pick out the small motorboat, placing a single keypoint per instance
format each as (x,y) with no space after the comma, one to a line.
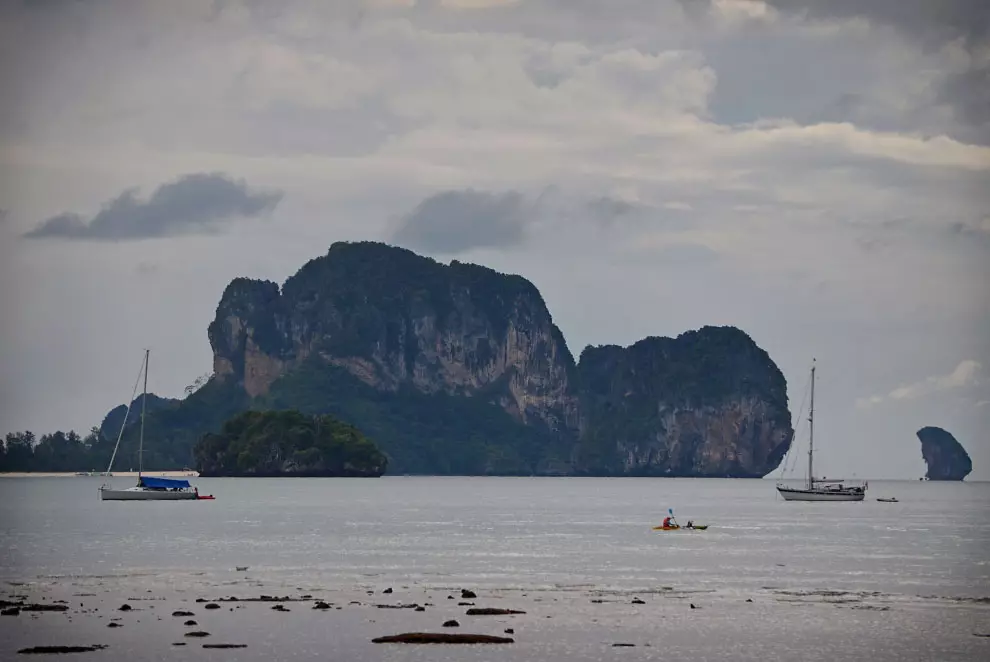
(888,500)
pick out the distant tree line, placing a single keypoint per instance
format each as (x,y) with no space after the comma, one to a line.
(58,451)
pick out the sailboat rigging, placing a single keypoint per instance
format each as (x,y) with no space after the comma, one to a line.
(148,488)
(819,489)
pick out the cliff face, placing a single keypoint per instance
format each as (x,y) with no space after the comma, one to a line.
(945,457)
(393,319)
(708,403)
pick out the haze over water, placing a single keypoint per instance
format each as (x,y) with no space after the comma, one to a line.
(904,581)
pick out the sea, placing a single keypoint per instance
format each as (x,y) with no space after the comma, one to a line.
(769,580)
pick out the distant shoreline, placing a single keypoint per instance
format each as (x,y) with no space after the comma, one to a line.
(116,474)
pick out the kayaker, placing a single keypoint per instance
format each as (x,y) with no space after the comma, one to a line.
(690,524)
(668,522)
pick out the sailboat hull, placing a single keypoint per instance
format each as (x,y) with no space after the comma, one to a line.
(137,494)
(821,495)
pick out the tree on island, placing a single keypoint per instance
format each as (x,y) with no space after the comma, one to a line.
(58,451)
(287,443)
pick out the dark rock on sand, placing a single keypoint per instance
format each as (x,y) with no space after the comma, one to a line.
(224,645)
(190,623)
(623,645)
(637,601)
(509,631)
(114,625)
(182,614)
(125,607)
(321,605)
(179,643)
(197,633)
(441,638)
(49,608)
(50,650)
(13,611)
(279,608)
(492,611)
(692,606)
(420,609)
(212,605)
(451,624)
(465,604)
(467,595)
(388,590)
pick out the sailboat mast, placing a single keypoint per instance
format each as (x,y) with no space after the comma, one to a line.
(144,400)
(811,433)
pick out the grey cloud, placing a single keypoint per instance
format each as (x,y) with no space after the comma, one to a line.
(934,18)
(932,23)
(974,232)
(687,254)
(969,94)
(193,204)
(457,221)
(606,209)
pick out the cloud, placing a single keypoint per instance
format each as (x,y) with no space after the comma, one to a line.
(606,208)
(976,229)
(192,204)
(955,25)
(476,4)
(945,18)
(457,221)
(966,374)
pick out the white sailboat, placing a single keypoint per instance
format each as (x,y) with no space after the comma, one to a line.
(148,488)
(819,489)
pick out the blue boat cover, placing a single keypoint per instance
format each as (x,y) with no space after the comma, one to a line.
(163,483)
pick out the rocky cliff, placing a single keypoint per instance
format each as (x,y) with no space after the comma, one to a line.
(707,403)
(458,369)
(945,457)
(393,319)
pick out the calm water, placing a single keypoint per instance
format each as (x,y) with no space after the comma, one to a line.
(902,581)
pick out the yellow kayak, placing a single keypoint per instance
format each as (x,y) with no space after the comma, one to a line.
(701,527)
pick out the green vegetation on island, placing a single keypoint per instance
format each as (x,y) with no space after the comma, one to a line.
(287,443)
(58,451)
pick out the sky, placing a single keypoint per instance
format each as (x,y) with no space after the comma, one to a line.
(816,173)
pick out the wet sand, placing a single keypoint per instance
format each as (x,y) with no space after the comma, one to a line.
(145,618)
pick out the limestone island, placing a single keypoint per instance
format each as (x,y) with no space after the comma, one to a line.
(457,369)
(945,457)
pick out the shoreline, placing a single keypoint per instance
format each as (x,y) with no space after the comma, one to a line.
(115,474)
